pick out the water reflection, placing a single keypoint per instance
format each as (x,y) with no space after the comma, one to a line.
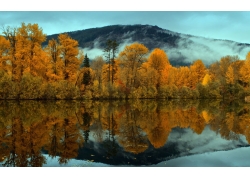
(28,129)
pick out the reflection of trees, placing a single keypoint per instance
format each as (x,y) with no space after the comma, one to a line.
(109,124)
(86,124)
(157,127)
(85,119)
(110,142)
(62,127)
(231,121)
(22,134)
(97,125)
(26,130)
(22,144)
(69,141)
(52,144)
(65,136)
(131,135)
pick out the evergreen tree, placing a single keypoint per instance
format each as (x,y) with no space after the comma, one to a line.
(86,75)
(86,61)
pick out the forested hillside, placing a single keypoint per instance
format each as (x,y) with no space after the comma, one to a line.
(182,49)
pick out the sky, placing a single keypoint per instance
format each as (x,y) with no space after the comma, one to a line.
(207,19)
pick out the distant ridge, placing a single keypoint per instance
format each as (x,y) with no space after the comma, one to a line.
(182,49)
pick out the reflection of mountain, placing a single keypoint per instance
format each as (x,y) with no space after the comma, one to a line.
(181,142)
(181,48)
(118,132)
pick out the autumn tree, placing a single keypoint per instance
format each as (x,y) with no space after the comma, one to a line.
(148,76)
(158,60)
(105,72)
(198,71)
(10,35)
(244,71)
(230,75)
(131,59)
(29,55)
(4,54)
(184,77)
(97,65)
(219,71)
(69,53)
(55,69)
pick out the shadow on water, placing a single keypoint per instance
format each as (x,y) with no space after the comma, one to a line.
(141,132)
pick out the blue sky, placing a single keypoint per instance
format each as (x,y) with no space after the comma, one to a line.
(208,19)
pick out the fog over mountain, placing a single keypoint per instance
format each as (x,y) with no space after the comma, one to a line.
(182,49)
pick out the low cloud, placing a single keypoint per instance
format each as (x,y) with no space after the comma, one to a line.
(208,50)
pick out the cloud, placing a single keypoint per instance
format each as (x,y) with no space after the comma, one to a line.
(208,50)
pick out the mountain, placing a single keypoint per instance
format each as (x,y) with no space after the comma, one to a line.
(182,49)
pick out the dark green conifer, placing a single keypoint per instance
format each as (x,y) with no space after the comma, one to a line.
(86,75)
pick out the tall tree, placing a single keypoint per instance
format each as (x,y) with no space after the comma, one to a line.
(131,59)
(30,56)
(158,60)
(198,71)
(55,69)
(4,55)
(110,54)
(114,47)
(86,76)
(97,65)
(10,35)
(244,71)
(69,53)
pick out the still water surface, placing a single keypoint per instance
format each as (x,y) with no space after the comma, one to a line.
(118,133)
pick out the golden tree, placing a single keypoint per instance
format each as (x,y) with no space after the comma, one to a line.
(198,71)
(244,71)
(4,55)
(230,75)
(158,60)
(69,53)
(97,65)
(10,35)
(30,56)
(131,59)
(55,67)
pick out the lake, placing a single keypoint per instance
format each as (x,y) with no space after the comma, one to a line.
(118,133)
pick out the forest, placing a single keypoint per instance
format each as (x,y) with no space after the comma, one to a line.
(61,70)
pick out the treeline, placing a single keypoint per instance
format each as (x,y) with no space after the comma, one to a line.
(60,70)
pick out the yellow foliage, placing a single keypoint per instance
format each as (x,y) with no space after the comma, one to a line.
(230,75)
(55,65)
(4,54)
(206,80)
(245,69)
(131,59)
(30,56)
(158,59)
(69,52)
